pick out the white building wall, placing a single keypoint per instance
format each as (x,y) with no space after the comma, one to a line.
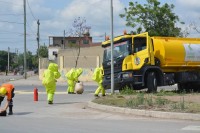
(52,53)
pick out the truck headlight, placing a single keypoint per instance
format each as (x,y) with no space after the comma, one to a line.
(127,75)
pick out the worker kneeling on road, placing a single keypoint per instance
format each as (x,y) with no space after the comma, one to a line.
(72,78)
(50,77)
(7,90)
(98,77)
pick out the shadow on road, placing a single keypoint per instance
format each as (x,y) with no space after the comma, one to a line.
(23,113)
(66,103)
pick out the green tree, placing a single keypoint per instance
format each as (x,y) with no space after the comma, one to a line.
(153,18)
(29,58)
(35,61)
(43,51)
(31,61)
(3,60)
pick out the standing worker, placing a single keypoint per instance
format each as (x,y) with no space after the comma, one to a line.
(72,78)
(7,90)
(98,77)
(50,77)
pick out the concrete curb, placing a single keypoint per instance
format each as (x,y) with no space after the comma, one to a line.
(147,113)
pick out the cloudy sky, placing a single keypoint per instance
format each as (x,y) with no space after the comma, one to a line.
(57,15)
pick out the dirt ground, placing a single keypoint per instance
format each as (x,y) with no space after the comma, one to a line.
(194,98)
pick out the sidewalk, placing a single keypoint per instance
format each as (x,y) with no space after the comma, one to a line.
(146,113)
(34,80)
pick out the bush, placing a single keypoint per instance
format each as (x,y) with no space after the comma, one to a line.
(127,91)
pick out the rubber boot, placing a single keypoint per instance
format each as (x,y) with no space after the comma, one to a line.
(4,113)
(50,98)
(10,110)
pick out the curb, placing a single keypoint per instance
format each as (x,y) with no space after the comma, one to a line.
(147,113)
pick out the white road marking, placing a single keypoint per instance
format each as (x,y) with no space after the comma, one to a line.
(28,92)
(192,128)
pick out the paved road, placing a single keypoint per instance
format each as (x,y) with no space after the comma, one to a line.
(70,113)
(4,78)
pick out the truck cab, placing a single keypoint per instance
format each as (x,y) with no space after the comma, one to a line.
(131,54)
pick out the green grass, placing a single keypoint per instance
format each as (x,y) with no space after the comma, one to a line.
(127,91)
(142,100)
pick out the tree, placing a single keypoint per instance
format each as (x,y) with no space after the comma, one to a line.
(43,51)
(3,60)
(79,28)
(16,61)
(153,18)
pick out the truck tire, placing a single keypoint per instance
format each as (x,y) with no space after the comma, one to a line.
(181,87)
(151,82)
(187,87)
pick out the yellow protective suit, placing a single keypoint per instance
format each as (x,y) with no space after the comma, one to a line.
(49,81)
(98,77)
(72,78)
(78,73)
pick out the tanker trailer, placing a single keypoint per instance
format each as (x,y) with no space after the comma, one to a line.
(141,61)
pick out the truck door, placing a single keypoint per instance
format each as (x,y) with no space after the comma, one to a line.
(142,51)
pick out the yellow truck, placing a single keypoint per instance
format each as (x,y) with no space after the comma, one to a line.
(141,61)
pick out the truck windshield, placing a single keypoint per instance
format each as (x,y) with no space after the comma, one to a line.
(120,50)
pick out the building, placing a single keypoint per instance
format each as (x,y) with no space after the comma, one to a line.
(59,43)
(63,51)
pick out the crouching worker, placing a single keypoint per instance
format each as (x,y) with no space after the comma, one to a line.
(72,78)
(50,77)
(7,90)
(98,77)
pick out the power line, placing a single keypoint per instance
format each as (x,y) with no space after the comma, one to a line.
(14,41)
(10,32)
(30,28)
(31,11)
(17,33)
(13,3)
(10,14)
(4,21)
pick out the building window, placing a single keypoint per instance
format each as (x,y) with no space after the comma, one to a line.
(72,41)
(85,41)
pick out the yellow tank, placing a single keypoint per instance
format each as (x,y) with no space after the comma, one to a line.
(177,54)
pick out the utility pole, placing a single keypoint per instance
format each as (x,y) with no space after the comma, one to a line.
(64,40)
(38,41)
(16,52)
(8,59)
(112,47)
(25,74)
(38,36)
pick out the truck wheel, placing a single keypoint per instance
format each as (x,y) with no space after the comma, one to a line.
(184,87)
(180,87)
(151,83)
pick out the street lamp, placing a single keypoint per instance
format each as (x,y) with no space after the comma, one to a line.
(112,47)
(8,67)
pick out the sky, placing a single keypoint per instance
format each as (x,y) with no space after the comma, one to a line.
(55,16)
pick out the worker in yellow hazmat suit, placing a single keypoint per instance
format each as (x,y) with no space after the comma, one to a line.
(78,73)
(98,77)
(50,77)
(72,78)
